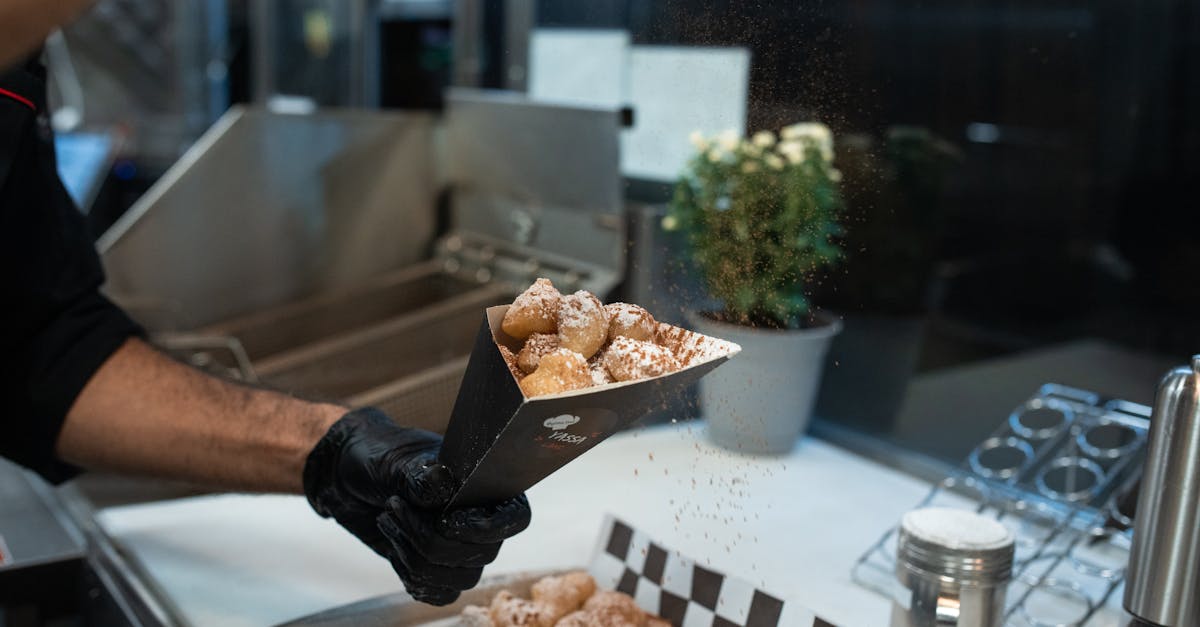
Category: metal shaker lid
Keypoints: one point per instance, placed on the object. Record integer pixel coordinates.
(960, 547)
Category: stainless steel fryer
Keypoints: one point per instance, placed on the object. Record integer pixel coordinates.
(269, 332)
(303, 287)
(411, 363)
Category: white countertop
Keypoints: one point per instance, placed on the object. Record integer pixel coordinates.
(794, 525)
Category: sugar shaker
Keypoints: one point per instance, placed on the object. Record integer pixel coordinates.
(954, 567)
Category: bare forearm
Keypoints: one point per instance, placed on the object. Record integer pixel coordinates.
(145, 413)
(24, 24)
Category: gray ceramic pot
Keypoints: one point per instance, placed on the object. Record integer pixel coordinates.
(761, 401)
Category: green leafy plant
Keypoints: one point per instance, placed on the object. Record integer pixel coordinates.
(761, 218)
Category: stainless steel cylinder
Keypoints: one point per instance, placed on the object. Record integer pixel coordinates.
(953, 567)
(1163, 581)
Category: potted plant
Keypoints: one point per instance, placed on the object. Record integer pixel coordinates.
(760, 217)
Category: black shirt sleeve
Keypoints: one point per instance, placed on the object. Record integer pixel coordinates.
(57, 328)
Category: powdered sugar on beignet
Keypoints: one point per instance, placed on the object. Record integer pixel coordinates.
(537, 346)
(534, 311)
(582, 323)
(560, 371)
(628, 360)
(631, 321)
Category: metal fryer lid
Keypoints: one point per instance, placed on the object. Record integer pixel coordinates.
(537, 183)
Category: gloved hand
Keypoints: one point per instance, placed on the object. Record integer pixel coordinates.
(382, 482)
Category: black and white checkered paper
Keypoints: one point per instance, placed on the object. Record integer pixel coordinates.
(678, 589)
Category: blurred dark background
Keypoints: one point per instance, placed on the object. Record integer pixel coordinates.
(1017, 173)
(1065, 213)
(1017, 177)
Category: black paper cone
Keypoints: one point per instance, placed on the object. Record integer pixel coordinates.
(499, 443)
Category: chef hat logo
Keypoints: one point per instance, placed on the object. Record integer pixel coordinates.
(558, 423)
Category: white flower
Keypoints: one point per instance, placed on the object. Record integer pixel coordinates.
(835, 175)
(698, 140)
(670, 223)
(715, 154)
(750, 148)
(815, 133)
(764, 139)
(815, 130)
(750, 167)
(729, 139)
(774, 161)
(792, 149)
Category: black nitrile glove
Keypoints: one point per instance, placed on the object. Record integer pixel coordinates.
(382, 482)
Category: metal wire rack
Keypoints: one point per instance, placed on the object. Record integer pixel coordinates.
(1051, 472)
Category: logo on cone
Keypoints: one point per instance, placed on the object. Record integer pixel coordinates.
(558, 423)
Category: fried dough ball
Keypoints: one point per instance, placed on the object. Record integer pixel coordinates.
(569, 600)
(559, 371)
(603, 618)
(629, 360)
(565, 593)
(582, 323)
(576, 619)
(610, 609)
(511, 611)
(475, 616)
(534, 311)
(537, 346)
(631, 321)
(615, 603)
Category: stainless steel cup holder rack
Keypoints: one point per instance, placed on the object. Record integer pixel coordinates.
(1050, 472)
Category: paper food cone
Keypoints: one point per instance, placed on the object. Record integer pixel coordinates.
(499, 443)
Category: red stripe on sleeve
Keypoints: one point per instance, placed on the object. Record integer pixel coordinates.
(18, 97)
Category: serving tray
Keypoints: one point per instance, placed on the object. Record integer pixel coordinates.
(400, 609)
